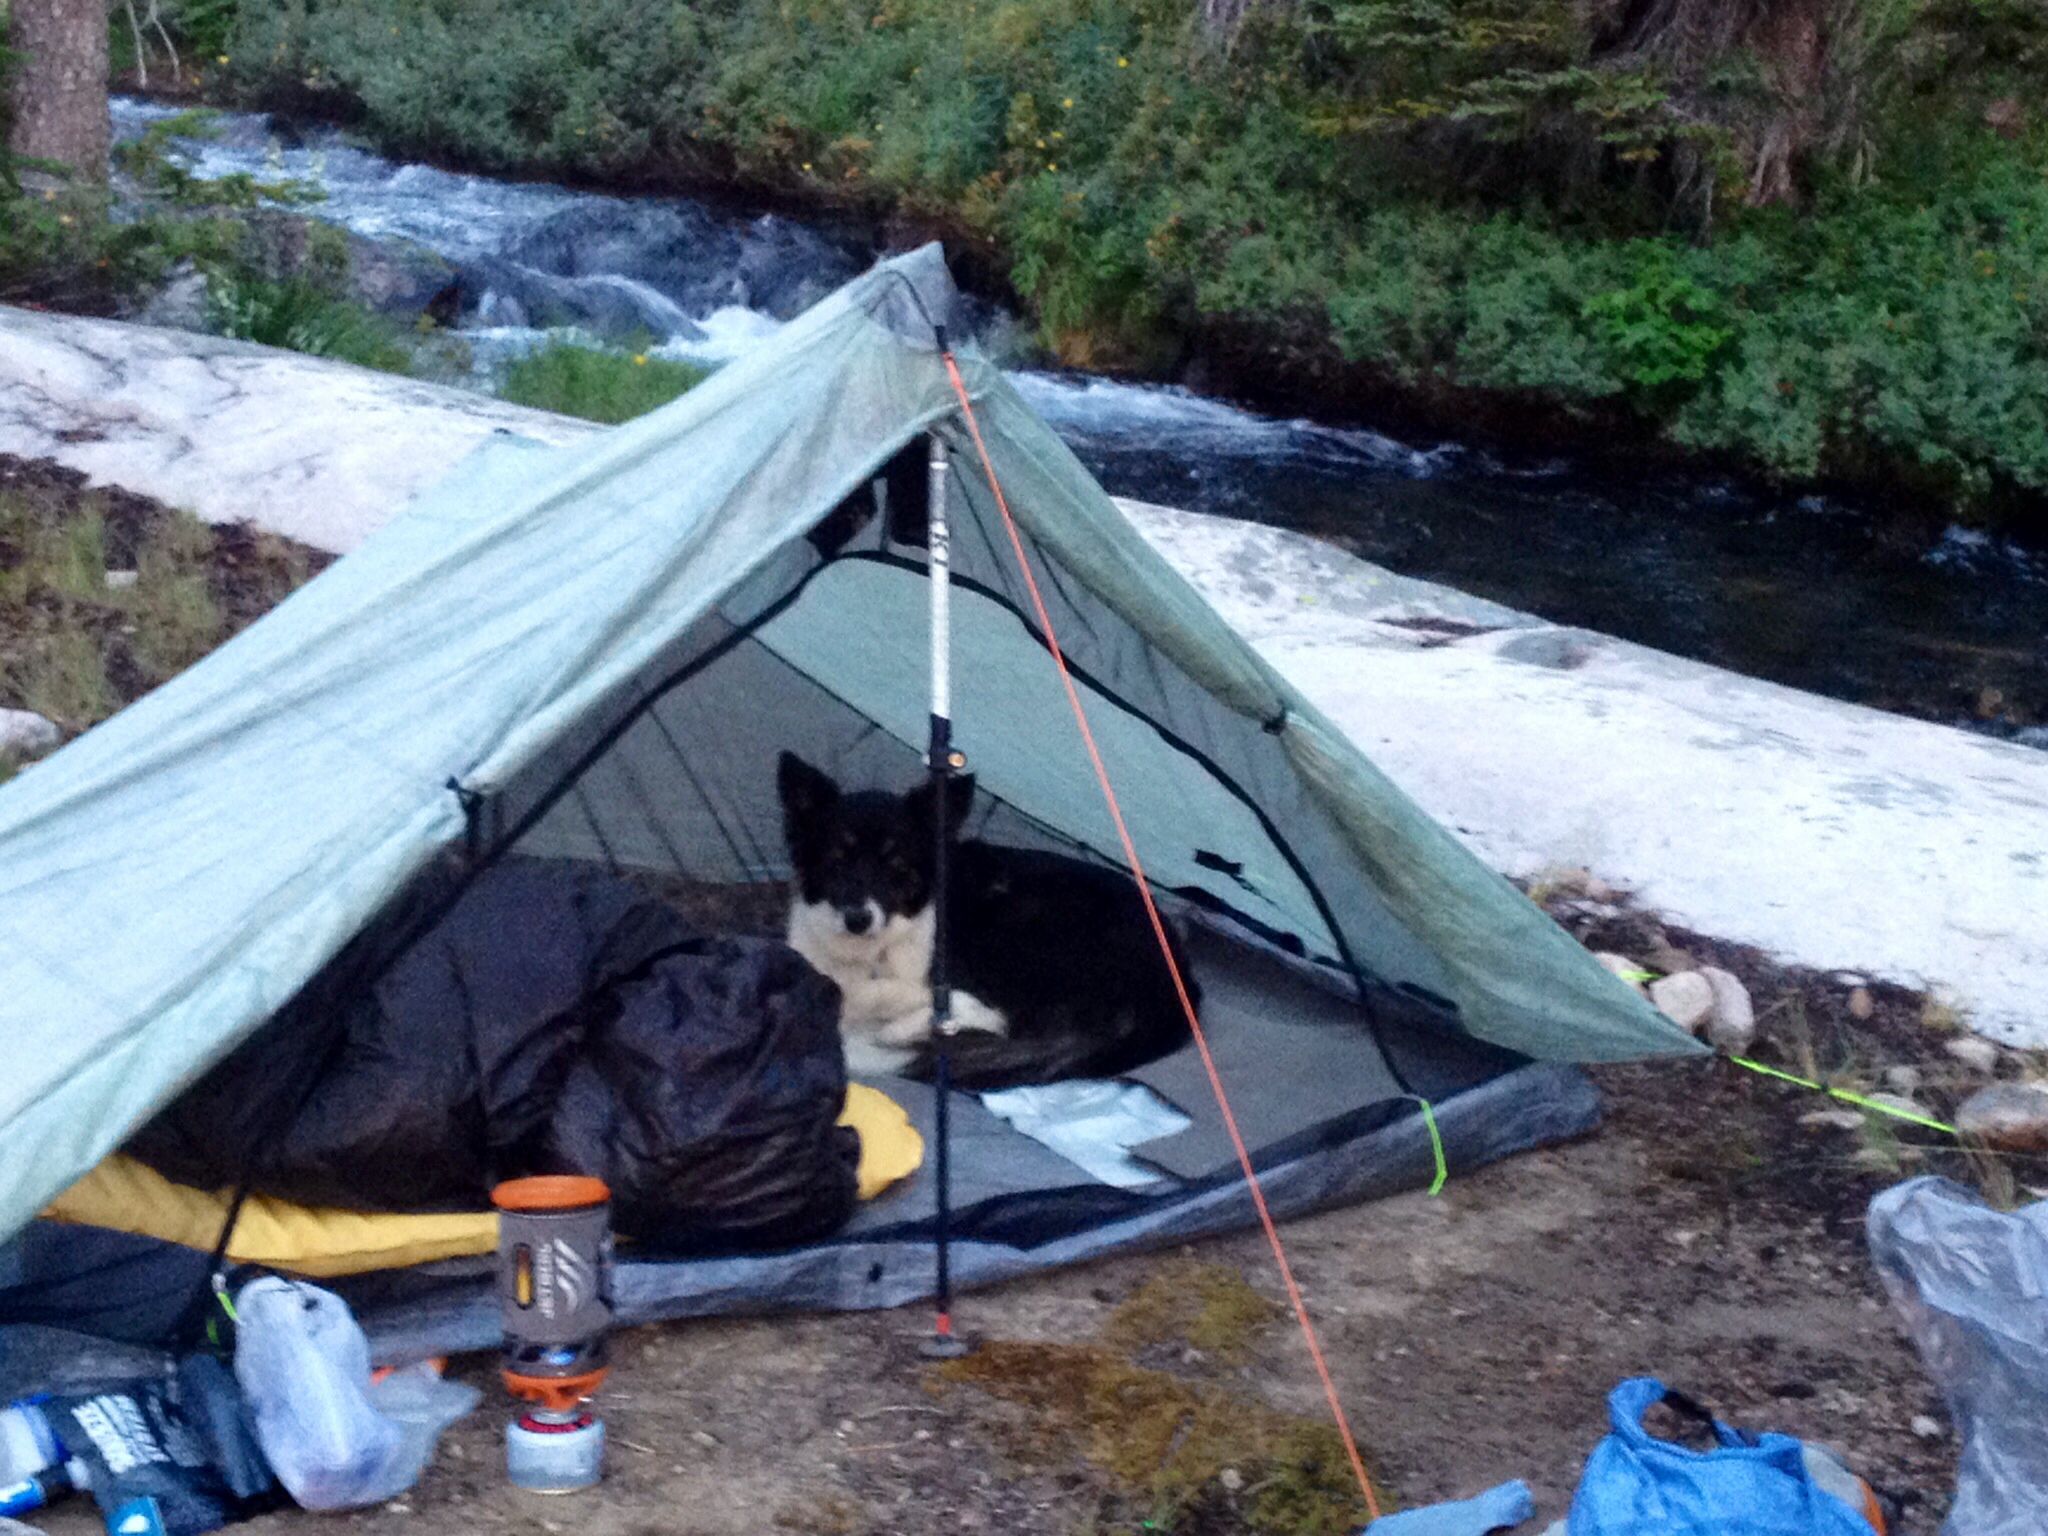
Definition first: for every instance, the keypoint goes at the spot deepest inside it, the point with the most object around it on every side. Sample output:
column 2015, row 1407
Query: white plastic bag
column 1971, row 1283
column 334, row 1440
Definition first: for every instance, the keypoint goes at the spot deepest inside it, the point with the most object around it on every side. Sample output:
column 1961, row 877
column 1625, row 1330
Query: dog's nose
column 857, row 919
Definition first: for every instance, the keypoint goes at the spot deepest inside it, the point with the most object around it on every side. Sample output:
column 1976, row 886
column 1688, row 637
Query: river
column 1950, row 625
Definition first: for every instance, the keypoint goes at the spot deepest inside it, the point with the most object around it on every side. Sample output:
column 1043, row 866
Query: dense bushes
column 1809, row 235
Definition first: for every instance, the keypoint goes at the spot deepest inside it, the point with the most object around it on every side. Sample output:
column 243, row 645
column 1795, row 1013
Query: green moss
column 1205, row 1305
column 1164, row 1442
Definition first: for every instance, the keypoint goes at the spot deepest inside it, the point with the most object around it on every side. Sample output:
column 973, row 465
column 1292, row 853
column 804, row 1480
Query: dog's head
column 864, row 860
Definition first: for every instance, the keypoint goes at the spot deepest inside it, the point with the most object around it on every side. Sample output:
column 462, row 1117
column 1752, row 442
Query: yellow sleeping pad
column 125, row 1196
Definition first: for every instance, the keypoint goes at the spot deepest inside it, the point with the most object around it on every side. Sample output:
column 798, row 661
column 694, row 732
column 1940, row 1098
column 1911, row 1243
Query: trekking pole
column 943, row 1344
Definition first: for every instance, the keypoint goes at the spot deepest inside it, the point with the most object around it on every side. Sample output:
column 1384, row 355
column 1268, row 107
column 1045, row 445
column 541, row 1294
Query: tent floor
column 1331, row 1108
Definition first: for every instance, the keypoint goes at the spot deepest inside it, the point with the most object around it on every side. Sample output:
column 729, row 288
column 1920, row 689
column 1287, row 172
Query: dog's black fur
column 1061, row 949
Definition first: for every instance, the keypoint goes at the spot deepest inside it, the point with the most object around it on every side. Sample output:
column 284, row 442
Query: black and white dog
column 1056, row 970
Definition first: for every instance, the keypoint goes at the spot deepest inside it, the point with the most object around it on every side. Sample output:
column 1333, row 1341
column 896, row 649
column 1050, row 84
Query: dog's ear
column 959, row 801
column 806, row 793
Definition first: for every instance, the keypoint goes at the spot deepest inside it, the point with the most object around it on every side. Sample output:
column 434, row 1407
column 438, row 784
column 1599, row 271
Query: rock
column 24, row 733
column 1974, row 1052
column 181, row 303
column 609, row 306
column 1566, row 882
column 1231, row 1479
column 1833, row 1119
column 398, row 278
column 121, row 581
column 785, row 267
column 1861, row 1004
column 1903, row 1080
column 394, row 277
column 1667, row 957
column 1899, row 1103
column 2008, row 1117
column 1927, row 1427
column 1627, row 969
column 1731, row 1026
column 1686, row 999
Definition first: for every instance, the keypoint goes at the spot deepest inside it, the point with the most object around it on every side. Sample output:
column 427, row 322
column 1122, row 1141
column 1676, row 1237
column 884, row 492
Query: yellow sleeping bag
column 125, row 1196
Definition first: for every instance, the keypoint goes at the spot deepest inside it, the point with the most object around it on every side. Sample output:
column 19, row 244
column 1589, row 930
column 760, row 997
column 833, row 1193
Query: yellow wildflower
column 1122, row 62
column 1067, row 102
column 222, row 59
column 639, row 359
column 1052, row 165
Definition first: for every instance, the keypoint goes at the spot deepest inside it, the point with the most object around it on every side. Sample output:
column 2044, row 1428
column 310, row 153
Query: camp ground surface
column 1704, row 1233
column 1724, row 1241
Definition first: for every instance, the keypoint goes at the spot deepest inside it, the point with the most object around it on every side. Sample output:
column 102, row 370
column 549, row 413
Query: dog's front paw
column 970, row 1012
column 869, row 1058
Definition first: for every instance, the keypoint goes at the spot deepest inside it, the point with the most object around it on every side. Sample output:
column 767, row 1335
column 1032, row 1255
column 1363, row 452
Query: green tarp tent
column 594, row 652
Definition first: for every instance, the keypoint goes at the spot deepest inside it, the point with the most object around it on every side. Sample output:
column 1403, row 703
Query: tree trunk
column 59, row 87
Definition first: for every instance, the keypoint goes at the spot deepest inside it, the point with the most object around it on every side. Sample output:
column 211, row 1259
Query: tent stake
column 944, row 1343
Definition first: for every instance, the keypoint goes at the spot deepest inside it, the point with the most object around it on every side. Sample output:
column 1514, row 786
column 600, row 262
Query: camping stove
column 555, row 1299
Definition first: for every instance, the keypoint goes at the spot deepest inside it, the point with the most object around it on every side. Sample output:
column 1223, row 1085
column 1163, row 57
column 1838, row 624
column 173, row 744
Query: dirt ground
column 1709, row 1234
column 1473, row 1337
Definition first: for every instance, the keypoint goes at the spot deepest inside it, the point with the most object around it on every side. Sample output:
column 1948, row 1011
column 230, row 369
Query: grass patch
column 105, row 595
column 610, row 387
column 304, row 316
column 176, row 620
column 1187, row 1454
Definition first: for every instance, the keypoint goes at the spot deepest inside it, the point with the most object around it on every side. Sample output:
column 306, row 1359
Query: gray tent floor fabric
column 1530, row 1107
column 884, row 1260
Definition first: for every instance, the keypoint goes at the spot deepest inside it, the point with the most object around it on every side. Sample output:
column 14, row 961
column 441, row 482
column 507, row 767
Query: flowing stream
column 1951, row 626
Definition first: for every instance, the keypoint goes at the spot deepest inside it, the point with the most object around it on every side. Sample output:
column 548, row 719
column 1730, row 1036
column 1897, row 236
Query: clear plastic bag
column 334, row 1440
column 1971, row 1283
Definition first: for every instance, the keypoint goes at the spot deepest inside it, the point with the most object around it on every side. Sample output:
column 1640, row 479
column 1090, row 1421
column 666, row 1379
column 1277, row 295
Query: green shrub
column 1663, row 330
column 602, row 386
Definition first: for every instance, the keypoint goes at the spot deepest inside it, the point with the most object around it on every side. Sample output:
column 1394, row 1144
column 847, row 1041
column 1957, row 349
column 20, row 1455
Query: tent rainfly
column 595, row 653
